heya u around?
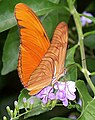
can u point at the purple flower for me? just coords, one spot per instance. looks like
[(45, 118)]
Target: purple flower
[(24, 100), (85, 20), (80, 102), (62, 96), (46, 94), (31, 101), (66, 91)]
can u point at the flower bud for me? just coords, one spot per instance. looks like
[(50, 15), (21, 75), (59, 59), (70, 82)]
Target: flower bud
[(24, 102), (16, 105), (31, 104), (8, 110), (11, 113), (4, 118)]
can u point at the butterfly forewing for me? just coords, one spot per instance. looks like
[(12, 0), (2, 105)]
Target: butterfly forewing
[(34, 41)]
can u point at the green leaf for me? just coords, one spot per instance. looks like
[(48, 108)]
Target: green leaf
[(37, 107), (88, 106), (91, 63), (35, 111), (10, 52), (44, 7), (89, 111), (71, 73), (6, 15), (58, 14), (23, 93), (54, 1), (60, 118), (86, 98), (71, 68), (93, 79), (70, 56), (89, 41)]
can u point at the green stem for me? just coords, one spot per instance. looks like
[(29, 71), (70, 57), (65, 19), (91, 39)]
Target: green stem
[(89, 33), (81, 44), (17, 117)]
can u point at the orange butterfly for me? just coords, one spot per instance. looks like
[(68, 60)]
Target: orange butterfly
[(40, 62)]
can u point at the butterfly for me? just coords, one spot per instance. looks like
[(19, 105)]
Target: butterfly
[(40, 62)]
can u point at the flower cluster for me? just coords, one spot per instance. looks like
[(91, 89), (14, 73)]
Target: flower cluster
[(62, 91), (46, 94), (85, 20)]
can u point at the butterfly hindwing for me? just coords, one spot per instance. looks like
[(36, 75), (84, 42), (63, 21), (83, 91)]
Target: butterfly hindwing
[(51, 67)]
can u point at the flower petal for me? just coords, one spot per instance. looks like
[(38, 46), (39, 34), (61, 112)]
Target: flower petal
[(71, 86), (60, 95), (70, 96), (45, 100), (48, 89), (60, 85), (51, 96), (65, 102), (85, 20)]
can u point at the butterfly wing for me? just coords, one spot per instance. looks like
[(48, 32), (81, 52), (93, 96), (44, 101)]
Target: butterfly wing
[(34, 41), (51, 67)]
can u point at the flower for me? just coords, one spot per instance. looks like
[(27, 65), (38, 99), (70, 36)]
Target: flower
[(16, 105), (24, 100), (31, 104), (46, 94), (85, 20), (65, 91), (62, 91)]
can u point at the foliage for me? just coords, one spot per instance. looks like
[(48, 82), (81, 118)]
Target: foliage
[(80, 60)]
